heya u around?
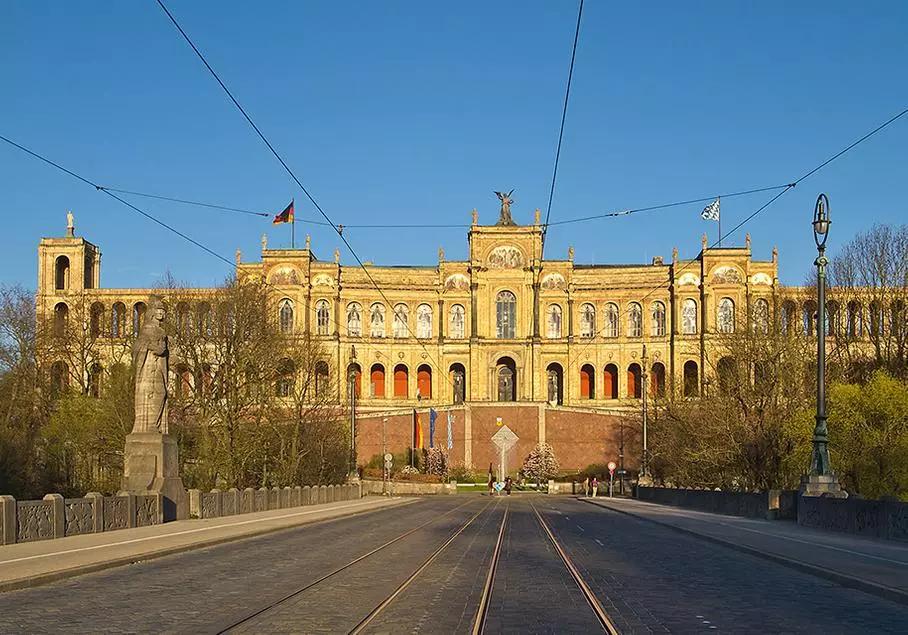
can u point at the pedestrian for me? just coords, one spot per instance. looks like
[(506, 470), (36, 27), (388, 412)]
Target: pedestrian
[(586, 485), (507, 485), (595, 485)]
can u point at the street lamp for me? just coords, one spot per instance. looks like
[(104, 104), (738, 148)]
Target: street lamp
[(353, 473), (820, 478), (644, 478)]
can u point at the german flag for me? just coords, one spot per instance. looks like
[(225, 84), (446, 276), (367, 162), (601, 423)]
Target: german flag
[(284, 217), (417, 432)]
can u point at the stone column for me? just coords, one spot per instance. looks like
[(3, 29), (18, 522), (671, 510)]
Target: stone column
[(8, 520), (151, 463), (467, 436)]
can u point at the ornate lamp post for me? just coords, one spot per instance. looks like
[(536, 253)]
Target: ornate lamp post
[(353, 473), (820, 478)]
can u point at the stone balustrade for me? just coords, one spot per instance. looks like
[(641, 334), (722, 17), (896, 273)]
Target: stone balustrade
[(56, 517), (749, 504), (217, 503), (885, 518)]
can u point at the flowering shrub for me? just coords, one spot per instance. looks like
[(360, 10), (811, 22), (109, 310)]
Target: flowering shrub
[(408, 469), (436, 462), (541, 464)]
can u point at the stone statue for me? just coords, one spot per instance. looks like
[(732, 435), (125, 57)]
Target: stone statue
[(475, 216), (571, 253), (441, 254), (537, 216), (308, 241), (150, 359), (337, 255), (70, 224), (505, 217), (239, 257), (264, 242)]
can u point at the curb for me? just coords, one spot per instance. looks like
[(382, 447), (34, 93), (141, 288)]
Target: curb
[(56, 576), (842, 579)]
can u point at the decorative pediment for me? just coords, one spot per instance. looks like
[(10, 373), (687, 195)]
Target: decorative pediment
[(761, 278), (553, 281), (726, 275), (457, 282), (505, 257), (323, 280), (284, 275), (689, 278)]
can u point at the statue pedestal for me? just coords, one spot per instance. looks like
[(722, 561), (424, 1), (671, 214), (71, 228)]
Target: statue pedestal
[(151, 462), (815, 485)]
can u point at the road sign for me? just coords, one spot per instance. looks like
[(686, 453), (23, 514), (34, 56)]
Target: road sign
[(611, 467), (505, 439), (389, 457), (498, 421)]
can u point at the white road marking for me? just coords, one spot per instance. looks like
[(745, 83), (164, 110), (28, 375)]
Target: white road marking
[(580, 528), (599, 543)]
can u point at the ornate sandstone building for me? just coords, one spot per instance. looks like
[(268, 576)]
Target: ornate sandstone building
[(503, 327)]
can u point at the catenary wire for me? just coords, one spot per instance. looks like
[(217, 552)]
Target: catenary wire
[(567, 94), (296, 180)]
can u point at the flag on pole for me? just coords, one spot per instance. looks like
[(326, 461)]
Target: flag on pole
[(418, 443), (432, 417), (450, 430), (284, 217), (711, 211)]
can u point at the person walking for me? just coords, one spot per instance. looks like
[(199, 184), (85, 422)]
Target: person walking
[(507, 485), (586, 485), (595, 484)]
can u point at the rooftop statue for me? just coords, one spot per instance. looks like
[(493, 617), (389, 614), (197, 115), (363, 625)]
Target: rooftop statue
[(505, 217)]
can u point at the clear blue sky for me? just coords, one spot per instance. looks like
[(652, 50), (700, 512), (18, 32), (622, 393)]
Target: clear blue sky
[(416, 111)]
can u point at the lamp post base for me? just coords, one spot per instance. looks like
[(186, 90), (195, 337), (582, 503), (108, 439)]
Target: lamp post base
[(818, 485)]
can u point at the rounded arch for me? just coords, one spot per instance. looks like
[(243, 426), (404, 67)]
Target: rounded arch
[(118, 320), (634, 383), (809, 317), (789, 317), (505, 315), (61, 318), (725, 317), (355, 375), (555, 383), (96, 320), (355, 319), (286, 373), (610, 381), (854, 319), (377, 320), (401, 327), (587, 320), (401, 381), (59, 377), (138, 317), (553, 321), (205, 320), (761, 315), (657, 379), (657, 319), (423, 321), (285, 316), (322, 378), (587, 382), (634, 320), (61, 273), (183, 319), (689, 318), (833, 317), (458, 319), (424, 382), (691, 379), (506, 376), (95, 373), (458, 382), (377, 381), (322, 317), (611, 320), (727, 374)]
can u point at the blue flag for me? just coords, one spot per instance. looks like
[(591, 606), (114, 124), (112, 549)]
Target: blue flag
[(450, 431), (432, 416)]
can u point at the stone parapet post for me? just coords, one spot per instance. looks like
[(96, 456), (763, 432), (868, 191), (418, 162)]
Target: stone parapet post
[(97, 511), (8, 520), (195, 503), (322, 494), (218, 502), (248, 501), (59, 514), (131, 508), (296, 497)]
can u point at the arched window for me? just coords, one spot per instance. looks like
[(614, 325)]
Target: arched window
[(833, 317), (726, 315), (876, 318), (457, 322), (138, 317), (506, 371), (587, 382), (789, 317), (727, 374), (401, 317), (322, 317), (657, 381), (459, 382), (118, 320), (809, 317), (634, 384), (657, 319), (94, 380), (610, 381), (377, 322), (96, 320), (321, 379), (587, 320), (184, 381), (183, 320), (855, 324), (285, 316), (61, 319), (59, 378), (401, 381), (689, 317), (61, 274), (553, 321), (505, 315), (424, 382), (423, 321), (634, 320), (761, 315), (897, 323), (227, 318), (354, 319), (355, 375), (205, 320), (377, 381), (555, 383), (611, 320), (691, 379), (286, 371)]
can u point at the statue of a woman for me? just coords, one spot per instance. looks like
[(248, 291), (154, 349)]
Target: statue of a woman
[(150, 359)]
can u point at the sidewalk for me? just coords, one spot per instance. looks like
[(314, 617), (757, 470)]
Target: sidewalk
[(33, 563), (876, 566)]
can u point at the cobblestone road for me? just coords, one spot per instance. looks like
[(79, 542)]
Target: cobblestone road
[(648, 578)]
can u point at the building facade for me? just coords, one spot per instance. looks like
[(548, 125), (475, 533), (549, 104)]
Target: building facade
[(504, 325)]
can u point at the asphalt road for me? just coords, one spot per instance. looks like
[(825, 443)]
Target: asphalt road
[(647, 577)]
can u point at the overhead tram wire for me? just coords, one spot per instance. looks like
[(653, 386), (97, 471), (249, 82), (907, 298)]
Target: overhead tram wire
[(567, 94), (748, 218), (296, 180)]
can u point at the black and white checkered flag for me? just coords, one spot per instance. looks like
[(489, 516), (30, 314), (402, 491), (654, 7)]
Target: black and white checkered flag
[(711, 211)]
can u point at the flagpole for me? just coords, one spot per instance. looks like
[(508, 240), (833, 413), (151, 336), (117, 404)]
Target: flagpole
[(292, 229), (720, 222)]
